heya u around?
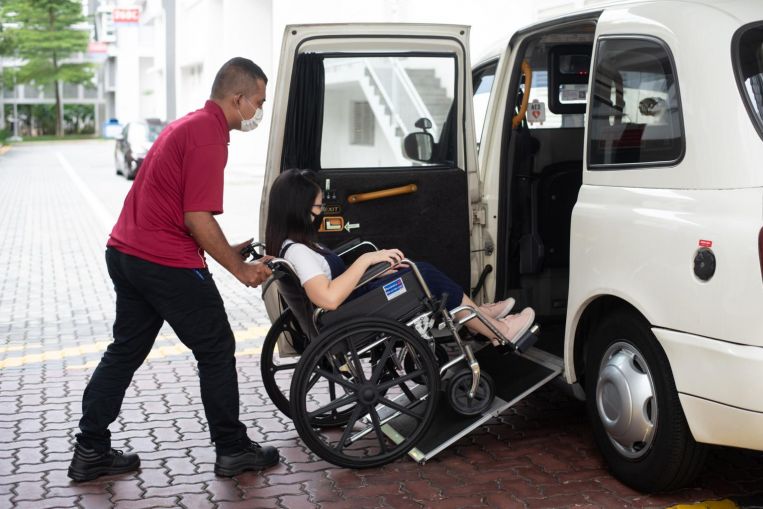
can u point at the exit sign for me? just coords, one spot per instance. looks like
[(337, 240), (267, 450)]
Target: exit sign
[(125, 15)]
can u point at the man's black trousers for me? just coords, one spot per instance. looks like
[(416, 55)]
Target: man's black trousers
[(149, 294)]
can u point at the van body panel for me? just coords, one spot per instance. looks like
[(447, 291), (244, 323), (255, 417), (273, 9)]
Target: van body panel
[(714, 423), (639, 245), (720, 140), (695, 361)]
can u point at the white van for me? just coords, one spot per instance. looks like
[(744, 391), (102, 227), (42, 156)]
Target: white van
[(603, 168)]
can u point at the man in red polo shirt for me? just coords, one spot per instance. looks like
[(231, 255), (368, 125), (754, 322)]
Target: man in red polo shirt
[(156, 259)]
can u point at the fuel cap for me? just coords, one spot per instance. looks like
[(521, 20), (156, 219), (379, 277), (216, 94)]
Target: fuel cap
[(704, 264)]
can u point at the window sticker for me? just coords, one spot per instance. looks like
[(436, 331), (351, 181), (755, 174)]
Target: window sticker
[(394, 289), (536, 112)]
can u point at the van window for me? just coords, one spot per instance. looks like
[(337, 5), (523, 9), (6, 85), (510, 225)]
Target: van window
[(482, 81), (371, 102), (635, 116), (539, 100), (748, 52)]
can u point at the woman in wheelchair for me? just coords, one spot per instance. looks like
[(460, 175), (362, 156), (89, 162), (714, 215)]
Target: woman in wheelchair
[(294, 214)]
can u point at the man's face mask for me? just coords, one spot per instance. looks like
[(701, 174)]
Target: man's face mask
[(252, 123)]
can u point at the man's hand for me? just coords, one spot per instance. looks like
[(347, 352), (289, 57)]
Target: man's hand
[(253, 274), (208, 235)]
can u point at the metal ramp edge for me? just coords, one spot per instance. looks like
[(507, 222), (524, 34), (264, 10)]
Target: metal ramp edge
[(515, 377)]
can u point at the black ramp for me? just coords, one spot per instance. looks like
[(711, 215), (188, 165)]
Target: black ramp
[(515, 377)]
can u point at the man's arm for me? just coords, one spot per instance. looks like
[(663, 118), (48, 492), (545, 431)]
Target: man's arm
[(207, 234)]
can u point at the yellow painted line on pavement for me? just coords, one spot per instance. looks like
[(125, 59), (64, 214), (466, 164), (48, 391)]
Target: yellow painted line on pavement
[(18, 347), (158, 352), (50, 355), (708, 504)]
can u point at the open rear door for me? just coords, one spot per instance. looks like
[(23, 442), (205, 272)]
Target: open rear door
[(356, 103)]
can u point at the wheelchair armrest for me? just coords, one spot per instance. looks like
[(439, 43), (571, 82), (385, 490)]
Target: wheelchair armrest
[(345, 247), (373, 272), (349, 248)]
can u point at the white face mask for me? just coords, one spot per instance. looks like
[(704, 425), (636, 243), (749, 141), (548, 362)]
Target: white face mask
[(252, 123)]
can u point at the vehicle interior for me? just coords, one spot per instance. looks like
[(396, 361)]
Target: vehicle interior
[(541, 174)]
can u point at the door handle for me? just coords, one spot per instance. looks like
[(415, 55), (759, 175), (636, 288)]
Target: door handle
[(384, 193)]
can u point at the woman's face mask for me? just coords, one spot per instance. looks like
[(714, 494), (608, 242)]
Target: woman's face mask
[(318, 207), (252, 123)]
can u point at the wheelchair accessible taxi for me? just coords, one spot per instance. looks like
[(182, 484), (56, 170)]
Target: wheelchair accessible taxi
[(389, 372)]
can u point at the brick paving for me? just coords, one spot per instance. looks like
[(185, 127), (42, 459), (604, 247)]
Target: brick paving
[(56, 308)]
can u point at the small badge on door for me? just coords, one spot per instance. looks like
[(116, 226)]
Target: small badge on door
[(333, 209), (332, 224)]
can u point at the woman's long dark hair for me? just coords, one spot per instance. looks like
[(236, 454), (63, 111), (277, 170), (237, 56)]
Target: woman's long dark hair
[(289, 210)]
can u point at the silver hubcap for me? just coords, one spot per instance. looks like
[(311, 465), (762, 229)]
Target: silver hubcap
[(625, 400)]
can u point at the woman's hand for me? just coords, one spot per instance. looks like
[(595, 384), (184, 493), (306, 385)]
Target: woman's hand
[(391, 256)]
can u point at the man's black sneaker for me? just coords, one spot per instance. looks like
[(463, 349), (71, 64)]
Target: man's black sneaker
[(252, 457), (87, 464)]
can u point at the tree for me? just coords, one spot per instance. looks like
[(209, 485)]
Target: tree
[(44, 34)]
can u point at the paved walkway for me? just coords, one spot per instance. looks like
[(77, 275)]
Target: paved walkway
[(56, 306)]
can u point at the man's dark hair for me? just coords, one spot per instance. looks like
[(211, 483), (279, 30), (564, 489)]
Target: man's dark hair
[(289, 207), (237, 76)]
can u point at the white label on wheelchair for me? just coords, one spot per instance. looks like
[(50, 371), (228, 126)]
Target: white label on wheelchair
[(394, 289)]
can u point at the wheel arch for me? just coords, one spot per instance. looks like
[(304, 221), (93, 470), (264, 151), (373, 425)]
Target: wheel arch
[(593, 313)]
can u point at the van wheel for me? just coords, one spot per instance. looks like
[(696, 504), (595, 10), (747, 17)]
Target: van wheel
[(634, 409)]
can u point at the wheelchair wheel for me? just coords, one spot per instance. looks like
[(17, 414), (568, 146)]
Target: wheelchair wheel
[(364, 359), (458, 393), (440, 354), (277, 371)]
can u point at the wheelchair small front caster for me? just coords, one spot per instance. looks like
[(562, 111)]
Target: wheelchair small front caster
[(458, 393)]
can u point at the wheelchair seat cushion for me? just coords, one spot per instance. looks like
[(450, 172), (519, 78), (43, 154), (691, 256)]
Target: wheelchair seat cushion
[(398, 297)]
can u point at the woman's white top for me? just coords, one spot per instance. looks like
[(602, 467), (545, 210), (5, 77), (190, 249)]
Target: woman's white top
[(306, 262)]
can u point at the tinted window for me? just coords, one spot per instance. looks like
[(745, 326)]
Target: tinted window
[(635, 109), (749, 67), (372, 102)]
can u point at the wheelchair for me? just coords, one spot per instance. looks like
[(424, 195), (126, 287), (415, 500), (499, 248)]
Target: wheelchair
[(367, 381)]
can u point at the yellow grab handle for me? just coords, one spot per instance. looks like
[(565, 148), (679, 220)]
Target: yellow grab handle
[(528, 72), (384, 193)]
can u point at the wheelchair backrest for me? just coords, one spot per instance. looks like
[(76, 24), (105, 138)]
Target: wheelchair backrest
[(296, 299)]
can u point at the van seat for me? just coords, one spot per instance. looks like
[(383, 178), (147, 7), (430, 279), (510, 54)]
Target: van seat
[(553, 193)]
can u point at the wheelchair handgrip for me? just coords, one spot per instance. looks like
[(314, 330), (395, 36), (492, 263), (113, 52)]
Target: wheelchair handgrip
[(374, 271)]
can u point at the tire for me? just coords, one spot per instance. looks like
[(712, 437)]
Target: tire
[(358, 356), (277, 373), (458, 389), (635, 413), (130, 172)]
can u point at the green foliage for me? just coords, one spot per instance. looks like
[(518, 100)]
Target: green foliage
[(39, 120), (79, 118), (45, 33)]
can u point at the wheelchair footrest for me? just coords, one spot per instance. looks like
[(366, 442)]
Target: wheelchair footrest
[(515, 378), (527, 340)]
